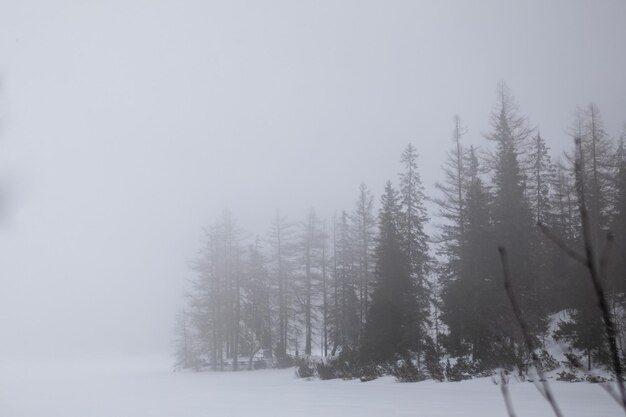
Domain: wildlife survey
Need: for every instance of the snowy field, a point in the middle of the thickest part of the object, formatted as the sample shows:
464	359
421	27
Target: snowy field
148	388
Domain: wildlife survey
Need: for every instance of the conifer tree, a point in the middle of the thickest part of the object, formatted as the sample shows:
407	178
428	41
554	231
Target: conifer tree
310	250
513	219
452	208
617	271
545	258
392	327
415	240
593	165
280	241
469	308
363	223
344	314
257	309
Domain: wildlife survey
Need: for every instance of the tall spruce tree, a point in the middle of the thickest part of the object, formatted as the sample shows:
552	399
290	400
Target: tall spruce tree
593	166
393	320
469	302
617	270
545	258
513	219
413	218
452	208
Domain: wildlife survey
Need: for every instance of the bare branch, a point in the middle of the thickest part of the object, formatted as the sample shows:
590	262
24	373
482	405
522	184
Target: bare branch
504	386
596	277
606	253
562	245
545	387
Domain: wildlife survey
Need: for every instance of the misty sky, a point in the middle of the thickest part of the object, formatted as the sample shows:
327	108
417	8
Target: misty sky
127	126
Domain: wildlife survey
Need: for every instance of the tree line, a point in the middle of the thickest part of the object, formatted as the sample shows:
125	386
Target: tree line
373	292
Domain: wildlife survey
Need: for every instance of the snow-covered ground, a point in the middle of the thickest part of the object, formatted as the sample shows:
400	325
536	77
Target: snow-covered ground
147	387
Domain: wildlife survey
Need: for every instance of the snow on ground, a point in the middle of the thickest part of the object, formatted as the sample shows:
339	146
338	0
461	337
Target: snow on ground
147	387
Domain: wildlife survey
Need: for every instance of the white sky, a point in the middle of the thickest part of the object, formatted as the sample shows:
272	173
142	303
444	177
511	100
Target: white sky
127	126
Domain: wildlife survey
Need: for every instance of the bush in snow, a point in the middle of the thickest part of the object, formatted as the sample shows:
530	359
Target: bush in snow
305	369
461	370
406	371
371	372
548	362
568	376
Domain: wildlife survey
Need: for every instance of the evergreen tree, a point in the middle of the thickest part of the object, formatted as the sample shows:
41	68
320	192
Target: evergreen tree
281	247
595	161
392	327
363	232
415	240
596	156
216	300
469	302
513	220
451	203
452	209
325	293
540	181
617	271
545	257
307	288
344	314
257	309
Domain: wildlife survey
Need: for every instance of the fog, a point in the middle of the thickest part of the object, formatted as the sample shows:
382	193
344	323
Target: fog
127	126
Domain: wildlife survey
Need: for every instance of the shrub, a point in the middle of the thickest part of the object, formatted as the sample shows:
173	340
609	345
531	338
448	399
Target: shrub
548	363
463	369
371	372
305	369
568	376
406	371
327	370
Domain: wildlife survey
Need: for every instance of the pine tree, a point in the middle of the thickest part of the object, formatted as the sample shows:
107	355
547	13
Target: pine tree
616	271
452	208
392	328
451	203
469	299
540	181
257	309
344	314
325	293
597	162
309	247
513	219
415	240
363	232
280	241
215	310
545	257
595	177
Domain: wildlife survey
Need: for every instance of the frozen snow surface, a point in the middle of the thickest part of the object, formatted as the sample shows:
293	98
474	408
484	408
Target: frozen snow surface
142	387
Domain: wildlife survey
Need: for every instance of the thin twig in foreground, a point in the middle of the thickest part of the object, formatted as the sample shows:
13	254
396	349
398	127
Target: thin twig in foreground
505	394
596	279
555	239
617	396
545	391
